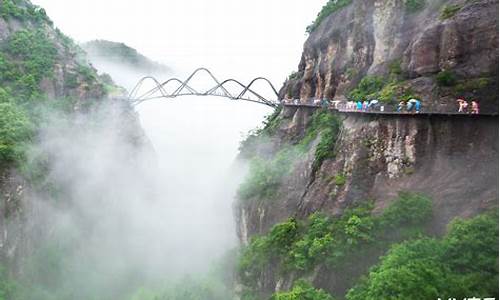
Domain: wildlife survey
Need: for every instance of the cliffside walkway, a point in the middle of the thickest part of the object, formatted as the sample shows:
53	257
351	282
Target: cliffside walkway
383	110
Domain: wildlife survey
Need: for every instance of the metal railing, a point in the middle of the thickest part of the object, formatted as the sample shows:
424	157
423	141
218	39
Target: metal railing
380	108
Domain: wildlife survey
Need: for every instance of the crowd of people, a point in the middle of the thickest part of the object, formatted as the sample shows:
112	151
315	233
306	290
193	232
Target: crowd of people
412	105
404	106
464	107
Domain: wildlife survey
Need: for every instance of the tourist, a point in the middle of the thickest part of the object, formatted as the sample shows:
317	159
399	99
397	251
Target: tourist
462	105
373	104
359	105
365	105
410	105
401	105
325	103
465	106
459	103
417	106
475	107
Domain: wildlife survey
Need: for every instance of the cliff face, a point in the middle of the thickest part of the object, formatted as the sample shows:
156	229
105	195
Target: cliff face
25	31
453	159
125	64
379	37
41	70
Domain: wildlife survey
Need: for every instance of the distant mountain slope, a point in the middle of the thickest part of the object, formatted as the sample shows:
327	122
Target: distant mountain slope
125	64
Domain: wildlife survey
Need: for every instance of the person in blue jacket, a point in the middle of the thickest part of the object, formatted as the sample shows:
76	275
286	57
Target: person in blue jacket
359	105
414	104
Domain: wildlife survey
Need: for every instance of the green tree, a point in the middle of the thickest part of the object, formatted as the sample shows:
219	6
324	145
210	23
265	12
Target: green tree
462	264
302	290
15	129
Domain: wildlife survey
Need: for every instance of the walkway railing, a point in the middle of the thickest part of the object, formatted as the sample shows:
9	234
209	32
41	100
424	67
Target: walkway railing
381	108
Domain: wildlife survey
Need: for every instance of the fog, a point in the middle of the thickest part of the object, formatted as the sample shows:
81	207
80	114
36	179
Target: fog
130	218
123	214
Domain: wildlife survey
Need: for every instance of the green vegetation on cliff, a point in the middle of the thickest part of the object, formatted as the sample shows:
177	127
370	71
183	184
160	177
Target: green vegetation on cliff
27	58
463	263
120	53
15	129
302	290
449	11
329	8
414	5
300	246
24	11
268	171
388	89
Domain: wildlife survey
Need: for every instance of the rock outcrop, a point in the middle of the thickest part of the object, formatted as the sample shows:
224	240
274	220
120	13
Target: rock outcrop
451	158
27	78
71	76
377	36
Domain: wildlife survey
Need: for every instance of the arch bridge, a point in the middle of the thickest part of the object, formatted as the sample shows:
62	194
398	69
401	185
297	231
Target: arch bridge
174	87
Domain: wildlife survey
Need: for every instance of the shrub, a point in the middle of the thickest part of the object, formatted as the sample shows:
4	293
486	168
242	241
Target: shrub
326	146
265	175
414	5
302	290
29	57
369	86
410	271
10	10
33	13
320	120
321	239
263	249
15	129
449	11
294	75
87	73
409	209
329	8
463	263
8	287
471	85
395	67
446	78
340	179
389	93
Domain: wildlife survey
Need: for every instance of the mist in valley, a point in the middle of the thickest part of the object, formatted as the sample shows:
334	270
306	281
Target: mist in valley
136	211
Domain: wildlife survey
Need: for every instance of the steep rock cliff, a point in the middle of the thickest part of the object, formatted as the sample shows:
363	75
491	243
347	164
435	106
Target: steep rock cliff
451	159
441	50
378	37
41	70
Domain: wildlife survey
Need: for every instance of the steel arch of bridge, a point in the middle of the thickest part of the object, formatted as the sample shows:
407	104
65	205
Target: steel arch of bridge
183	88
